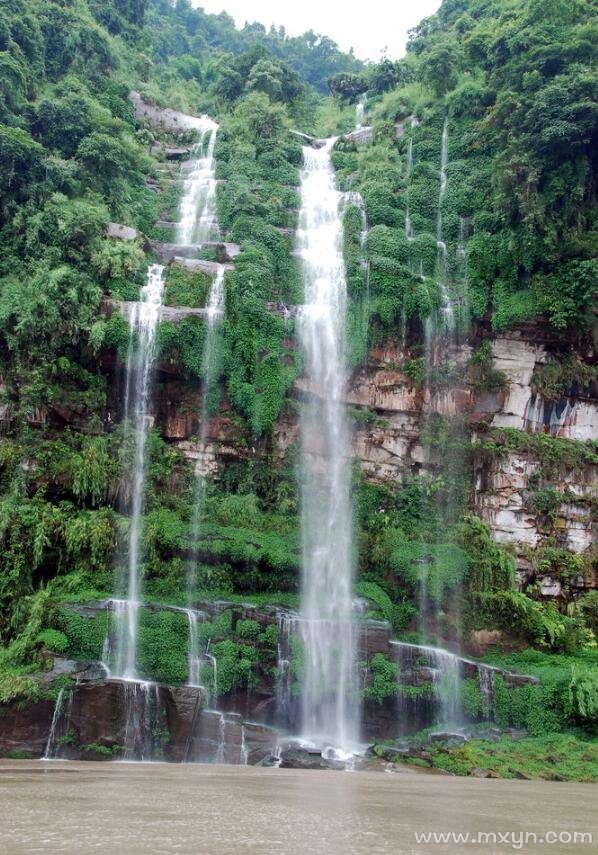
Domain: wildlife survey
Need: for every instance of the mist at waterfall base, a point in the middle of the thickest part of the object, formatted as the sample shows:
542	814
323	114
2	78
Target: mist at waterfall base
329	700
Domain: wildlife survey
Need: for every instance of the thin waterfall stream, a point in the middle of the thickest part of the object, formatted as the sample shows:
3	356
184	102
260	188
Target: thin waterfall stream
143	322
197	224
330	706
198	220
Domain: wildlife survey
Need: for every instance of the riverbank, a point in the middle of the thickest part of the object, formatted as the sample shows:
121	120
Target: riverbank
130	808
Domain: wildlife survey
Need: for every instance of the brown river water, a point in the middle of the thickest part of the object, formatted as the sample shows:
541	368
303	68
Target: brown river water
122	808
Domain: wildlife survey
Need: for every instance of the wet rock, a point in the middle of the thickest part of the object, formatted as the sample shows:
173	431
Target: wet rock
25	730
490	734
374	638
225	250
513	680
477	772
451	738
360	136
303	758
172	152
199	265
419	754
394	755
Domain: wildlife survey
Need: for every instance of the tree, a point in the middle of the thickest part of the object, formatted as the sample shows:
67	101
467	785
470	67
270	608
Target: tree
347	86
21	160
439	68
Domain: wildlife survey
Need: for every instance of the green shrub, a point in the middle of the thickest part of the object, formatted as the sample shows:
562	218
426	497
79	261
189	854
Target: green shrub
54	640
383	679
249	630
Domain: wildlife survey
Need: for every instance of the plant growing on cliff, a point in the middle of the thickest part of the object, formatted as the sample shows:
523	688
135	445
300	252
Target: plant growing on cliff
382	679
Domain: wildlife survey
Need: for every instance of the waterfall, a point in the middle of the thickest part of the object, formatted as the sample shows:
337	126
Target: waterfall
409	234
194	655
51	745
142	710
329	699
444	668
360	111
442	267
287	624
143	322
215	309
487	686
440	345
353	198
198	221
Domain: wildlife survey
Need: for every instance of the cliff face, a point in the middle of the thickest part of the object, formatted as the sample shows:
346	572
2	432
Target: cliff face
467	204
390	445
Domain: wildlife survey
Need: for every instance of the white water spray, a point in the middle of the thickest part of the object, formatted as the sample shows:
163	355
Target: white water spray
198	221
447	306
329	701
360	111
143	322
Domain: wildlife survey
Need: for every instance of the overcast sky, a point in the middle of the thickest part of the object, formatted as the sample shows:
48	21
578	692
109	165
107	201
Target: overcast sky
369	27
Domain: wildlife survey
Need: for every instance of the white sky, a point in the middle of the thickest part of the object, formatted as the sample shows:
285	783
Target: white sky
369	27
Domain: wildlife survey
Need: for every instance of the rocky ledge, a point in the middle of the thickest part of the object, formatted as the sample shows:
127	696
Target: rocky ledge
116	719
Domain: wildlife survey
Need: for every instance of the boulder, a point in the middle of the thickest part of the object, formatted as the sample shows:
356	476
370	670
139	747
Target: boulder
121	232
303	758
451	738
163	118
477	772
24	730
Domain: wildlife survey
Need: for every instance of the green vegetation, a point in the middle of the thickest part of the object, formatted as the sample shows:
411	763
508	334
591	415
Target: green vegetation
551	757
514	83
521	127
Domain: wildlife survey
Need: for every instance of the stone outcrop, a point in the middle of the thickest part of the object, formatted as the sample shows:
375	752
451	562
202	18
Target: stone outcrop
500	499
120	232
24	730
111	719
574	417
360	136
162	118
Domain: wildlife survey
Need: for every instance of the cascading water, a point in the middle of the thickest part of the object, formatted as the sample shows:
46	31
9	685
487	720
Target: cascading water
198	222
439	619
195	658
360	111
143	322
348	199
329	701
50	751
409	233
442	266
214	314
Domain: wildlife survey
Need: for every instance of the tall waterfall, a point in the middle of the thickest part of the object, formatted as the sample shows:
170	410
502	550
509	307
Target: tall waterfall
330	705
441	339
447	307
215	309
198	224
198	221
143	322
360	111
409	234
